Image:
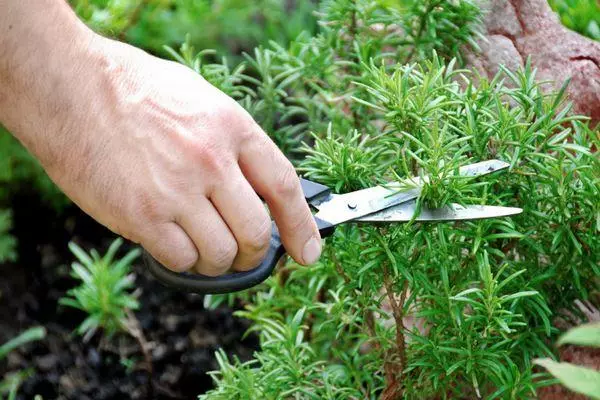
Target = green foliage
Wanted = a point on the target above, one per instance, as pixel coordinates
(441, 26)
(286, 368)
(227, 25)
(446, 310)
(104, 290)
(312, 80)
(582, 16)
(9, 385)
(578, 379)
(221, 75)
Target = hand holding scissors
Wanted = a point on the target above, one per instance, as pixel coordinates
(392, 203)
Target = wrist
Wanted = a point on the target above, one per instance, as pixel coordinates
(44, 50)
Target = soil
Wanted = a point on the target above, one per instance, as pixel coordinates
(182, 333)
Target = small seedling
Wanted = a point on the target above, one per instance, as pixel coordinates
(104, 293)
(105, 296)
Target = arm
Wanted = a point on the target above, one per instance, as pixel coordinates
(146, 146)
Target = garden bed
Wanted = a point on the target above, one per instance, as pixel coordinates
(183, 334)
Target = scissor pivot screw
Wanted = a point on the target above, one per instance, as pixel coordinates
(352, 206)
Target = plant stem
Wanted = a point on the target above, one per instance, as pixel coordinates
(353, 32)
(388, 367)
(338, 267)
(398, 313)
(422, 24)
(132, 326)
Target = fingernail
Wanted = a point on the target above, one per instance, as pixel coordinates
(311, 251)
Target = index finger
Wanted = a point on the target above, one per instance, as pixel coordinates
(272, 175)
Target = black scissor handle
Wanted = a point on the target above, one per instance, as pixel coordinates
(237, 281)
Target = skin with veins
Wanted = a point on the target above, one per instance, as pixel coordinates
(517, 29)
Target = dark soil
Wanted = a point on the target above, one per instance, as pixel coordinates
(183, 334)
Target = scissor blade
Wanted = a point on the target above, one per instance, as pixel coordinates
(471, 170)
(455, 212)
(339, 208)
(482, 168)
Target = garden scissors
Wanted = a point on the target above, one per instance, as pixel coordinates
(380, 204)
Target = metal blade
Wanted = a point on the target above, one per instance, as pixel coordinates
(472, 170)
(339, 208)
(483, 168)
(455, 212)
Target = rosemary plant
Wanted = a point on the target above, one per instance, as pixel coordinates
(416, 311)
(104, 290)
(105, 296)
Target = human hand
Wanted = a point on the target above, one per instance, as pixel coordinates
(157, 154)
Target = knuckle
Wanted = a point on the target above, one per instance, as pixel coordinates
(256, 243)
(185, 261)
(168, 249)
(209, 156)
(113, 205)
(227, 113)
(250, 133)
(127, 231)
(214, 159)
(146, 207)
(166, 257)
(222, 258)
(287, 184)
